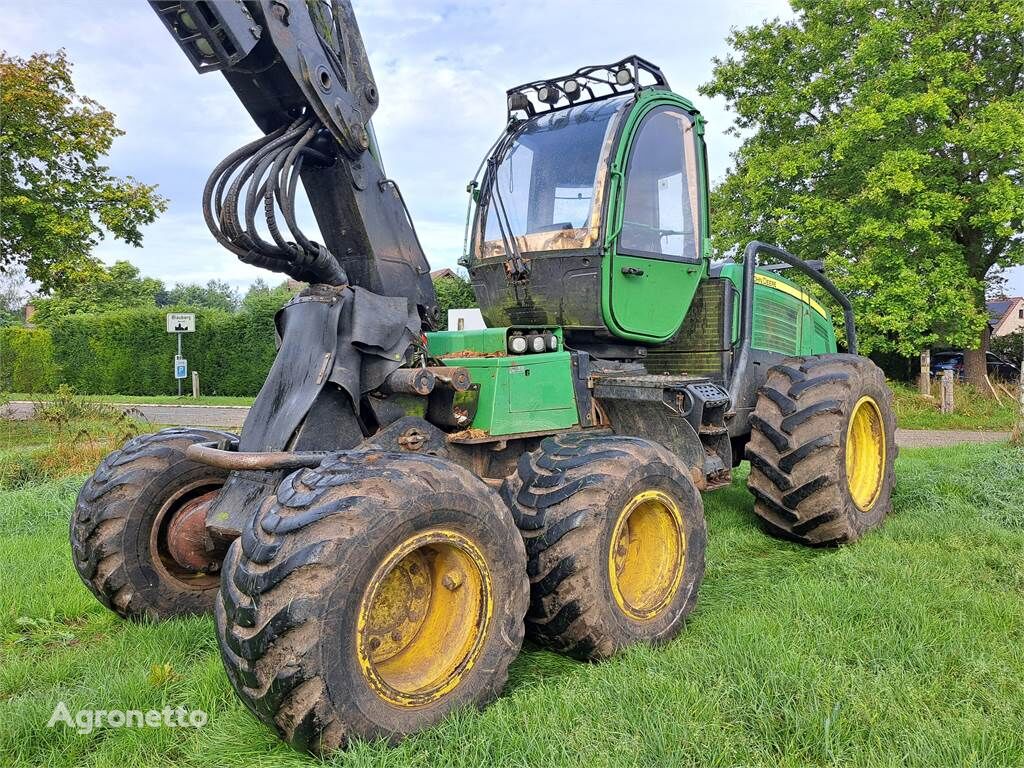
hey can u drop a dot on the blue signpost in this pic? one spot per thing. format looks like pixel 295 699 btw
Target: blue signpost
pixel 179 323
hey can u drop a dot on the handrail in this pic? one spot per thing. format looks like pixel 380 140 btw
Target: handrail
pixel 750 254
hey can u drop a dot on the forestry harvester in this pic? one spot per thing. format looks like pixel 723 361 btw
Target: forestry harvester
pixel 403 504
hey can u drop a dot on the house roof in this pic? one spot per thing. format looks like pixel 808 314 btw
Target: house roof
pixel 442 273
pixel 997 310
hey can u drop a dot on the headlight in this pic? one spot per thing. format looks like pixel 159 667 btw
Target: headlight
pixel 517 345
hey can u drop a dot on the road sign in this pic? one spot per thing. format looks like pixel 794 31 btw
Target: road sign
pixel 181 322
pixel 180 367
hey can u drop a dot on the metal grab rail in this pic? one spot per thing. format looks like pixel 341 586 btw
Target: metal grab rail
pixel 750 254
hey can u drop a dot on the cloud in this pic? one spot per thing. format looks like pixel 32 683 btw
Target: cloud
pixel 442 68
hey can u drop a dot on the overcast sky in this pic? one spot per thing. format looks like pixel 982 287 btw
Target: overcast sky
pixel 441 68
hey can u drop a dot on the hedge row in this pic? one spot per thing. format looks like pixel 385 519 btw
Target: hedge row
pixel 130 352
pixel 27 360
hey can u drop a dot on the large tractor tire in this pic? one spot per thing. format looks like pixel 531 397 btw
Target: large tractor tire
pixel 615 534
pixel 371 597
pixel 138 529
pixel 822 449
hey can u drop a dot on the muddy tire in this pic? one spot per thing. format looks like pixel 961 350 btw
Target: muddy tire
pixel 615 535
pixel 118 528
pixel 371 597
pixel 822 449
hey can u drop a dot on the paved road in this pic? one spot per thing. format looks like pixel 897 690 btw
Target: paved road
pixel 185 415
pixel 930 438
pixel 234 415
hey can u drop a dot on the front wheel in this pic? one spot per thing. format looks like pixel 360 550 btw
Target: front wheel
pixel 822 449
pixel 138 532
pixel 371 597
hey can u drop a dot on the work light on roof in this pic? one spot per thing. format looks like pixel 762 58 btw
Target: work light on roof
pixel 548 94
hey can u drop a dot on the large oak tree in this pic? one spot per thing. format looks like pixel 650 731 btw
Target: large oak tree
pixel 887 136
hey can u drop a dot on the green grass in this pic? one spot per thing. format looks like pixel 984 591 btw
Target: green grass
pixel 147 399
pixel 972 410
pixel 903 650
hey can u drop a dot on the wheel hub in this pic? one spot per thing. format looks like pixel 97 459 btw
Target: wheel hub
pixel 647 555
pixel 187 540
pixel 424 617
pixel 865 453
pixel 401 606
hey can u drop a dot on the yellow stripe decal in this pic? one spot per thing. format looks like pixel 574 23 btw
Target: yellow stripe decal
pixel 789 290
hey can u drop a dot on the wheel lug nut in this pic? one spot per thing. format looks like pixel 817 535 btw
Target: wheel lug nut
pixel 374 643
pixel 396 636
pixel 452 580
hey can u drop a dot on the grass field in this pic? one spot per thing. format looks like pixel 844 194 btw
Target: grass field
pixel 971 410
pixel 903 650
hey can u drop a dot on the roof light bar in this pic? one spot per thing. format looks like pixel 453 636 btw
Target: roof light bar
pixel 584 85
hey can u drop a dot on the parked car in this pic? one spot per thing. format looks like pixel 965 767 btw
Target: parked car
pixel 998 367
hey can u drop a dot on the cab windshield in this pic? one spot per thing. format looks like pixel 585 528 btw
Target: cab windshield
pixel 547 190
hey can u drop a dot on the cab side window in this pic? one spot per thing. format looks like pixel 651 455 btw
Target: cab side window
pixel 660 215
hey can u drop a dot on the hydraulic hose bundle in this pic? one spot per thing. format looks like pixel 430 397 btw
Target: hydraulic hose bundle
pixel 265 173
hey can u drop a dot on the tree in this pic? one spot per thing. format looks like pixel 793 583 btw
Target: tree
pixel 453 293
pixel 216 294
pixel 887 136
pixel 13 295
pixel 102 289
pixel 261 297
pixel 58 201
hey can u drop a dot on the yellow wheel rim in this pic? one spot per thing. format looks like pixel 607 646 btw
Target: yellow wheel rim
pixel 647 555
pixel 865 453
pixel 424 617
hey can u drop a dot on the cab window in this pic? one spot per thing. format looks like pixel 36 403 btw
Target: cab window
pixel 660 212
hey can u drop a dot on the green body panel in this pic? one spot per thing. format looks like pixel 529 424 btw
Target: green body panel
pixel 518 393
pixel 485 341
pixel 787 319
pixel 648 307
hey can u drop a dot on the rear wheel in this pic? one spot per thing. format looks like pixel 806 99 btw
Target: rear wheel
pixel 615 535
pixel 822 449
pixel 138 532
pixel 372 596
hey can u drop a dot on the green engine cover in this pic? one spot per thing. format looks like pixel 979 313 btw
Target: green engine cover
pixel 518 393
pixel 787 319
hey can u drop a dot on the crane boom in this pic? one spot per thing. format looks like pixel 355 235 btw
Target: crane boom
pixel 301 71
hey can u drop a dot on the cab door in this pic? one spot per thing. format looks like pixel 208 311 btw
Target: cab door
pixel 655 262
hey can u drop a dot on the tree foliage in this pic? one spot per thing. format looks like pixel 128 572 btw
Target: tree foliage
pixel 453 293
pixel 13 295
pixel 216 294
pixel 58 200
pixel 887 136
pixel 102 289
pixel 261 298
